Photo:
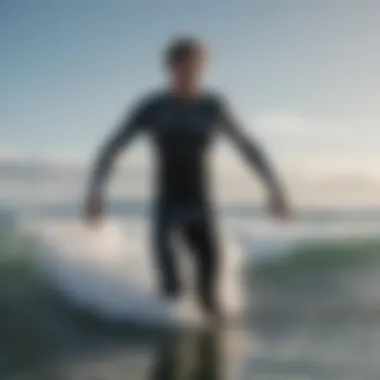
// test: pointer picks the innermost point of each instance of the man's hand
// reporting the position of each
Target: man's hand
(93, 208)
(279, 207)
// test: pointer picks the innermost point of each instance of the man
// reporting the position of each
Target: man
(183, 121)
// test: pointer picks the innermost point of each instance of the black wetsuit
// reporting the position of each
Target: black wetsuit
(182, 131)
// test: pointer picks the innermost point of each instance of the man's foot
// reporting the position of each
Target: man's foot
(212, 312)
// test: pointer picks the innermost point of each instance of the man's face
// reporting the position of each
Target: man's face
(189, 70)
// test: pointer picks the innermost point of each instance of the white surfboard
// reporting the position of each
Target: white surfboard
(109, 270)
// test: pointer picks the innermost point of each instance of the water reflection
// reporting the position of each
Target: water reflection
(202, 355)
(191, 356)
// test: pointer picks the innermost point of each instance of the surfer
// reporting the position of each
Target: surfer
(182, 122)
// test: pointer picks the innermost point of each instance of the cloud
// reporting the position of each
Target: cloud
(338, 132)
(322, 145)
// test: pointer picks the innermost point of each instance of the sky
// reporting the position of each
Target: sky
(302, 74)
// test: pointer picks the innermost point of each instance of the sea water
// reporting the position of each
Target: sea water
(311, 287)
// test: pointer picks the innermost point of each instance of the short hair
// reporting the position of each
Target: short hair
(181, 48)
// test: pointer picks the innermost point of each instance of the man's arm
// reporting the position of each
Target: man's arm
(250, 149)
(255, 157)
(130, 126)
(108, 153)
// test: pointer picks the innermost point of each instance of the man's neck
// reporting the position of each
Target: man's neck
(185, 92)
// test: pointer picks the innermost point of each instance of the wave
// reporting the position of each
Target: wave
(55, 296)
(326, 254)
(53, 259)
(62, 257)
(55, 300)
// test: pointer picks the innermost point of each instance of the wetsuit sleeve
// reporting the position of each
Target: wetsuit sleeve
(134, 122)
(250, 149)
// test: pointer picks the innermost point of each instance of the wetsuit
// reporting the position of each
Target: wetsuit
(182, 131)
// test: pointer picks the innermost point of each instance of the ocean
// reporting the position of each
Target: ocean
(311, 286)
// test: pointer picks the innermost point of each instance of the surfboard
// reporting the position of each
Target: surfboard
(109, 270)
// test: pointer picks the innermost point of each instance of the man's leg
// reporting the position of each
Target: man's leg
(164, 255)
(202, 239)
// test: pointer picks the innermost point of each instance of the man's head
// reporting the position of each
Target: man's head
(185, 59)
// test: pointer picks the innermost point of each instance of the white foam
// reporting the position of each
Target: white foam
(274, 241)
(109, 270)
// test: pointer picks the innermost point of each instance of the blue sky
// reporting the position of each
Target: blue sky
(303, 74)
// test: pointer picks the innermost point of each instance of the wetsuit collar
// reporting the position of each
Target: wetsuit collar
(186, 98)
